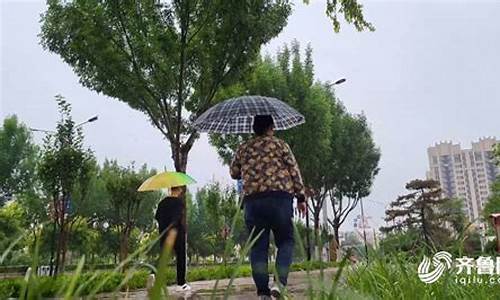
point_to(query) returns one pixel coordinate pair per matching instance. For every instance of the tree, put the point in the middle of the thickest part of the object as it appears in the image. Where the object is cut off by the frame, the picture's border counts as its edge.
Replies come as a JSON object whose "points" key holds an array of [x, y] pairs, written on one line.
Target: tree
{"points": [[421, 211], [493, 203], [211, 219], [65, 170], [353, 165], [198, 242], [161, 58], [127, 208], [11, 227], [17, 159], [496, 153], [34, 205], [353, 13], [290, 78]]}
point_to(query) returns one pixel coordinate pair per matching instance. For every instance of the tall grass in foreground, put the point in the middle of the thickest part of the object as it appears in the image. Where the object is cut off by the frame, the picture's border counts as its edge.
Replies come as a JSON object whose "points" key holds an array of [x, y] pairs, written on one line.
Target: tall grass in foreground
{"points": [[398, 279], [75, 285], [389, 276], [394, 278]]}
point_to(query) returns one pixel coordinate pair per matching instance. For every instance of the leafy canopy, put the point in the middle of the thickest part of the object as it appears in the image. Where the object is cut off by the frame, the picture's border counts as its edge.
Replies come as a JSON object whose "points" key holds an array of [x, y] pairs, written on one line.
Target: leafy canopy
{"points": [[162, 58], [18, 157], [426, 213], [352, 162]]}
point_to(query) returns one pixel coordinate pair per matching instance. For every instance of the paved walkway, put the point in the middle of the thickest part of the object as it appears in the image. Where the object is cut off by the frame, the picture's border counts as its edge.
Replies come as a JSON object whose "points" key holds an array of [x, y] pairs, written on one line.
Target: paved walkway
{"points": [[242, 288]]}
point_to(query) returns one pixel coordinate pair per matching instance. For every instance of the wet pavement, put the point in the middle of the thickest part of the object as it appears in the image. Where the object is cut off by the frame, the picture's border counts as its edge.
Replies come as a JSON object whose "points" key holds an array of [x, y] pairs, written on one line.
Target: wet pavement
{"points": [[241, 288]]}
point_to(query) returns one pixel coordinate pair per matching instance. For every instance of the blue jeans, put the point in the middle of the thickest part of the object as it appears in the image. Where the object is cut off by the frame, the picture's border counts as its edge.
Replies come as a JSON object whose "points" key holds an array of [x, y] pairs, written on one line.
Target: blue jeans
{"points": [[263, 215]]}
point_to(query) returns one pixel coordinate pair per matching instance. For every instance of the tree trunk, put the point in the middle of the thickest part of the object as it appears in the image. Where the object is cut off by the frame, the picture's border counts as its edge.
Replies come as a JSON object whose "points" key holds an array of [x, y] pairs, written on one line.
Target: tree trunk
{"points": [[124, 241], [317, 241], [64, 247], [336, 242], [424, 228], [60, 238], [53, 253], [53, 249], [180, 157], [63, 236]]}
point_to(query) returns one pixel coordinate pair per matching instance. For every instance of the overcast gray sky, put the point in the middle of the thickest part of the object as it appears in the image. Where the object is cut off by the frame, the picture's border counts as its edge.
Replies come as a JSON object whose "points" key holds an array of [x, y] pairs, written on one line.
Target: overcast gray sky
{"points": [[429, 72]]}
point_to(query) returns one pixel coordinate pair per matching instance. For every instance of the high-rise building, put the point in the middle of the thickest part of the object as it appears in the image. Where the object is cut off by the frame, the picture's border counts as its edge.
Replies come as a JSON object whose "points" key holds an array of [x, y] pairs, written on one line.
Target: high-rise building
{"points": [[465, 173]]}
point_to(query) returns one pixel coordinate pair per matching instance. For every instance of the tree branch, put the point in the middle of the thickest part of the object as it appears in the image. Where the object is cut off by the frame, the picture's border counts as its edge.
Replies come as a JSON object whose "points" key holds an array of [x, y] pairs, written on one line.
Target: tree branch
{"points": [[348, 211]]}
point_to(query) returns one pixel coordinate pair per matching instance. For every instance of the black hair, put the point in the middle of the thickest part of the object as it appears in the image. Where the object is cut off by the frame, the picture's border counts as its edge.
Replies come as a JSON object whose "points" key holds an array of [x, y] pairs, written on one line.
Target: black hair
{"points": [[262, 123]]}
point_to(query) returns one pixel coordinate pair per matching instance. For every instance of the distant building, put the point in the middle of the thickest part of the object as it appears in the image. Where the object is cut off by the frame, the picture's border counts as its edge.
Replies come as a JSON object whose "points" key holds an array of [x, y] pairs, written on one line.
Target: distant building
{"points": [[363, 226], [465, 173]]}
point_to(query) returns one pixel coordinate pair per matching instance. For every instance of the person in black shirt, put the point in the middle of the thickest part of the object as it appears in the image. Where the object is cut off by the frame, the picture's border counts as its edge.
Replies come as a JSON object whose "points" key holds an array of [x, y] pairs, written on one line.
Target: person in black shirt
{"points": [[171, 214]]}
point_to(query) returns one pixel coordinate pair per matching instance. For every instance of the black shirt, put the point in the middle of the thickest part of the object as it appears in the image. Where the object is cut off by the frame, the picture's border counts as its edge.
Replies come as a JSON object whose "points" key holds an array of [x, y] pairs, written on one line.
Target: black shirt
{"points": [[169, 212]]}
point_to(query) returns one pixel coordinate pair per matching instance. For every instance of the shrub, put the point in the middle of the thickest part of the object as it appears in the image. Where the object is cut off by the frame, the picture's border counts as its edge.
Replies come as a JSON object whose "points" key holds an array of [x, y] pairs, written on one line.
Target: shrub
{"points": [[9, 287]]}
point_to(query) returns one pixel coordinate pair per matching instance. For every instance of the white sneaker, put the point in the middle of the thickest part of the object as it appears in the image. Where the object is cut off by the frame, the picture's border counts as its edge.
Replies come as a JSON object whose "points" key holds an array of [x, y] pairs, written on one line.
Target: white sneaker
{"points": [[275, 291], [183, 288], [151, 281]]}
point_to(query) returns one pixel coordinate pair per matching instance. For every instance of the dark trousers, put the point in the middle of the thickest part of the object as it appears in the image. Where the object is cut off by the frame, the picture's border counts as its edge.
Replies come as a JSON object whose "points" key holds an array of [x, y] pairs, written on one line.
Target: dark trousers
{"points": [[180, 252], [265, 215]]}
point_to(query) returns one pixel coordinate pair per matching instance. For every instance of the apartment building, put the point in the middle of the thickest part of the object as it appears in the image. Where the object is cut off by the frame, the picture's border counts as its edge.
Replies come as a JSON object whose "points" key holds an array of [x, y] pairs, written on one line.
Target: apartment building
{"points": [[465, 173]]}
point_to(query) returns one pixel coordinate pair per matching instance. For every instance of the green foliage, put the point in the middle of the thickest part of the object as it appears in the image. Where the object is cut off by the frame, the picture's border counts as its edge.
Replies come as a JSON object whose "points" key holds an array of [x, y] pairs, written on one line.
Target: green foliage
{"points": [[18, 157], [162, 58], [334, 149], [496, 153], [84, 239], [65, 170], [352, 11], [125, 207], [424, 213], [52, 286], [290, 77], [396, 278], [9, 288], [210, 221], [398, 242], [353, 163], [65, 166], [11, 227], [493, 203]]}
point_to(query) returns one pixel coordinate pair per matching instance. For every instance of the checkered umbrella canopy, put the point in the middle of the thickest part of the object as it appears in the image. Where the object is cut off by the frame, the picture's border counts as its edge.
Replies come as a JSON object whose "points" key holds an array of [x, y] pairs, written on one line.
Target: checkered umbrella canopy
{"points": [[235, 115]]}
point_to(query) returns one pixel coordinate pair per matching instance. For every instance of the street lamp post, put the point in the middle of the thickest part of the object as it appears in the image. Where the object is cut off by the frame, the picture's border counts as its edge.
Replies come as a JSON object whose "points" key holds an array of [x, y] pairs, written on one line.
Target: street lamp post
{"points": [[337, 82], [93, 119], [364, 227], [41, 130]]}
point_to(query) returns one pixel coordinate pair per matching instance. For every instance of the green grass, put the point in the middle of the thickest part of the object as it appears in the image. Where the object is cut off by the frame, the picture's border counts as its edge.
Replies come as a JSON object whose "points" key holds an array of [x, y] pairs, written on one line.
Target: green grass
{"points": [[50, 286], [385, 277], [397, 279]]}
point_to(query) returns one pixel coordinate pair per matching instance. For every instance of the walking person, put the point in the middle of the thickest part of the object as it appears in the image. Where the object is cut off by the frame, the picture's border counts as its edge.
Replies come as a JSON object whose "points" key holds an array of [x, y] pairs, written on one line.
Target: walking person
{"points": [[271, 179], [170, 214]]}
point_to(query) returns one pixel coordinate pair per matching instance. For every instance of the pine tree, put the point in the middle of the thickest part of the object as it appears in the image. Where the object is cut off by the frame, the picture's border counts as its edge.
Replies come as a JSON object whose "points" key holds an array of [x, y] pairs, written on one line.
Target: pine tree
{"points": [[420, 210]]}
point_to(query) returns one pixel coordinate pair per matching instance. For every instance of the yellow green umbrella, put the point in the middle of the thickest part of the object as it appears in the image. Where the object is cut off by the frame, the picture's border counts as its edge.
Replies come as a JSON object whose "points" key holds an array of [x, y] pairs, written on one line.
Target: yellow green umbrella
{"points": [[166, 180]]}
